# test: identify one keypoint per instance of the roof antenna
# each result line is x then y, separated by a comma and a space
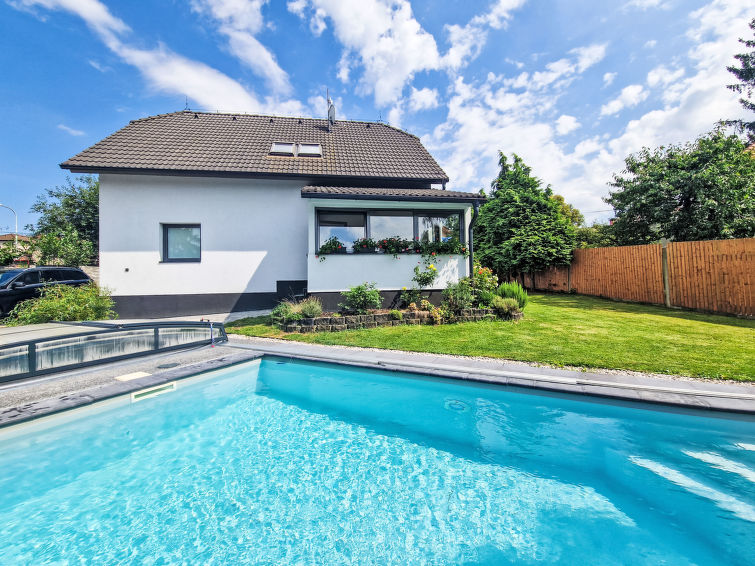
380, 117
186, 106
331, 111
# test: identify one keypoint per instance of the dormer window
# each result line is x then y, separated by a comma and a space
309, 150
282, 148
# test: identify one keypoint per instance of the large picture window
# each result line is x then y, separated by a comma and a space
350, 225
182, 242
346, 226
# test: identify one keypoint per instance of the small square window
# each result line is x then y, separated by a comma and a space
182, 242
310, 150
282, 148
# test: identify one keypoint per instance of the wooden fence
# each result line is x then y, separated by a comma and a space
713, 276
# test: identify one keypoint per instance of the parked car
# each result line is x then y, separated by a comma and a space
17, 285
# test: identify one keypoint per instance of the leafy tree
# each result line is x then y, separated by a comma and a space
521, 228
697, 191
65, 248
572, 214
745, 74
7, 253
74, 206
595, 236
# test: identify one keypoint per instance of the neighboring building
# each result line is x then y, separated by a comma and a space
12, 238
204, 213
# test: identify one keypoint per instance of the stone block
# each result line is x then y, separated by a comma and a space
386, 317
322, 327
350, 319
292, 328
337, 327
307, 321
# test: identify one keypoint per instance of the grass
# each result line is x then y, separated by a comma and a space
571, 330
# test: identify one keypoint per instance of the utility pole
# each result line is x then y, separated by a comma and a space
15, 233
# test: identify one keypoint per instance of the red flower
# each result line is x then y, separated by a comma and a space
432, 253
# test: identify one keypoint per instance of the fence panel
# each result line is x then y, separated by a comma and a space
713, 275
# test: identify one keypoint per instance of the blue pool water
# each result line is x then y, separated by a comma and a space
284, 462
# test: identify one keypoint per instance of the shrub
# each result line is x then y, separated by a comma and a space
409, 296
513, 290
64, 302
397, 315
483, 279
459, 296
425, 305
425, 278
436, 314
505, 307
413, 307
310, 307
282, 312
485, 298
360, 298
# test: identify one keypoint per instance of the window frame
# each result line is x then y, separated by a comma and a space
414, 214
164, 229
308, 155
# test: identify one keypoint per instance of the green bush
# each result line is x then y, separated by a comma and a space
505, 307
361, 298
282, 312
397, 315
64, 302
409, 296
310, 307
459, 296
485, 299
425, 305
425, 278
513, 290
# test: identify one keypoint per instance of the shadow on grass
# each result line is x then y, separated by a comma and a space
585, 302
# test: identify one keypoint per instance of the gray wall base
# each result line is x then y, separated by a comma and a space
160, 306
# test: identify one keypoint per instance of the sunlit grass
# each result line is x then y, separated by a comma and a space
571, 330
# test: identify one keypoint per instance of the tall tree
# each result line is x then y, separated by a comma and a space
521, 228
745, 74
74, 206
572, 214
702, 190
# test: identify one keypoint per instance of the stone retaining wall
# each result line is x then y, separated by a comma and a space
355, 322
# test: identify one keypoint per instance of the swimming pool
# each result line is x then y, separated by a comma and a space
281, 462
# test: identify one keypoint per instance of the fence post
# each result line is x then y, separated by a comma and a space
568, 278
664, 262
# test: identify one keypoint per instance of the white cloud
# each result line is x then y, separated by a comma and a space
383, 36
100, 67
646, 4
567, 68
650, 44
71, 131
166, 71
608, 78
484, 117
661, 75
566, 124
423, 99
629, 97
394, 116
467, 41
239, 21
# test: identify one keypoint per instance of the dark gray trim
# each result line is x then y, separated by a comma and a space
407, 198
391, 182
159, 306
164, 227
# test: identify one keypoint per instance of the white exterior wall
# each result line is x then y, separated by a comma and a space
254, 233
338, 272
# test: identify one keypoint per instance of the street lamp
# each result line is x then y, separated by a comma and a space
15, 233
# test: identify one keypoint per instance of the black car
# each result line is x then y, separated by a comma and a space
17, 285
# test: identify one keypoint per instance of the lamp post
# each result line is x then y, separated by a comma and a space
15, 233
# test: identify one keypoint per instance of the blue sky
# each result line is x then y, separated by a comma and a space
573, 87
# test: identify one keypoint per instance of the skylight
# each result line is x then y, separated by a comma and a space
310, 150
282, 148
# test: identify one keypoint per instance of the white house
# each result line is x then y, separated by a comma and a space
203, 213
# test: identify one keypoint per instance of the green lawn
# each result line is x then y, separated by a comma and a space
571, 330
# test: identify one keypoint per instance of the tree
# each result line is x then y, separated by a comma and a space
74, 206
595, 236
703, 190
574, 216
521, 228
65, 248
745, 74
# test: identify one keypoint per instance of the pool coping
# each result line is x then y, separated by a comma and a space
577, 384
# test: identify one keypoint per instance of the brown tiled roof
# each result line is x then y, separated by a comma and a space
379, 193
11, 237
239, 144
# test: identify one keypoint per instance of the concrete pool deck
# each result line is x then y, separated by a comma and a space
31, 398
